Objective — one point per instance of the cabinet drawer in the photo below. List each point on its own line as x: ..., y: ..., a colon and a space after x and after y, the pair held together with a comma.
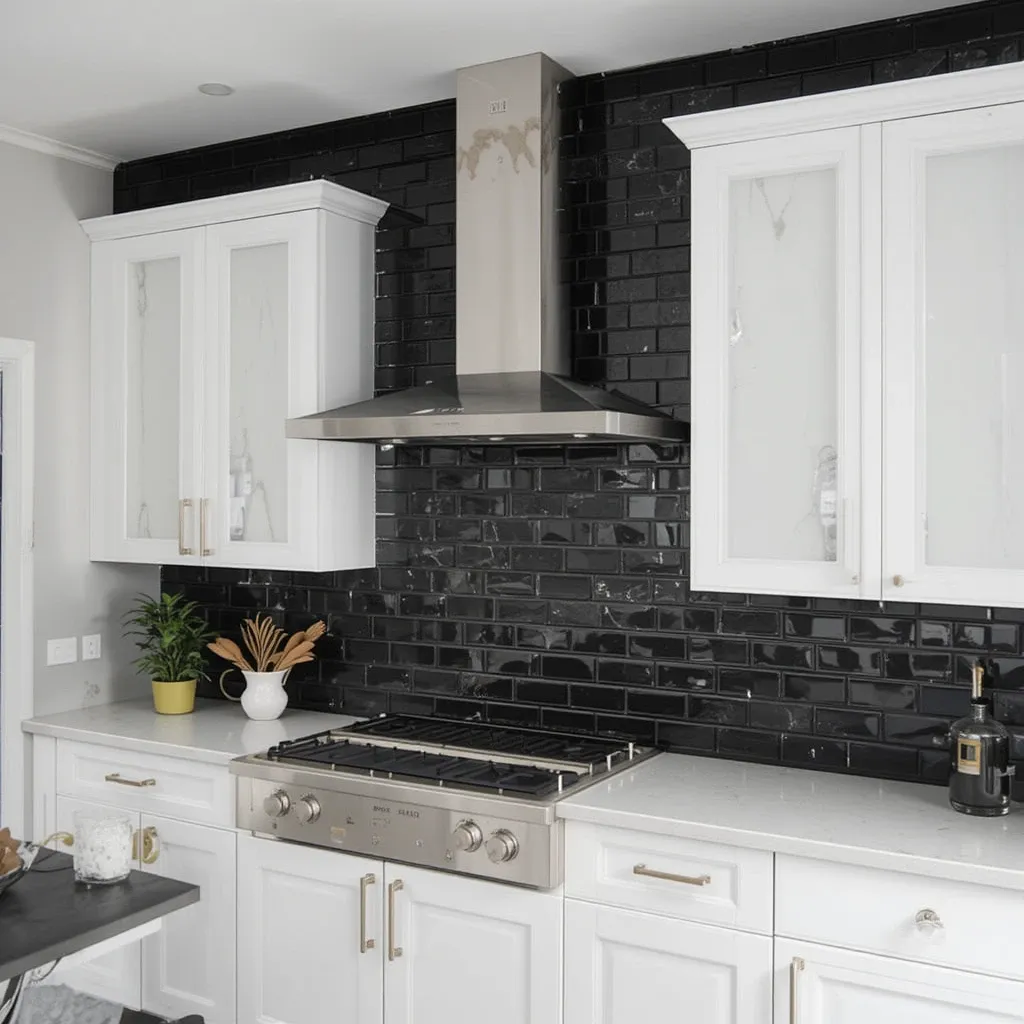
x: 973, y: 927
x: 681, y: 878
x: 172, y: 786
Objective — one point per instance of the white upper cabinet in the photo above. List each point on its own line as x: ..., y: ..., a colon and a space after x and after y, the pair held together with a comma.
x: 213, y: 323
x: 954, y: 357
x: 857, y: 348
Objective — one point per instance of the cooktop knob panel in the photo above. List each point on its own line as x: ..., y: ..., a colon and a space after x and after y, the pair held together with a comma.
x: 467, y: 836
x: 277, y: 804
x: 307, y: 810
x: 501, y: 846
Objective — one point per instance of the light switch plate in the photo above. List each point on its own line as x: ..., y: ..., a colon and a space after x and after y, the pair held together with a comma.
x: 62, y: 651
x: 91, y: 647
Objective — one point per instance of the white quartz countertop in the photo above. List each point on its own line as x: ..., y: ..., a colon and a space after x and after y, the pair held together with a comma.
x: 899, y: 826
x: 216, y: 731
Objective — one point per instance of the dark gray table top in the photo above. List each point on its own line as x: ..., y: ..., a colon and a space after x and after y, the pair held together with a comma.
x: 46, y: 916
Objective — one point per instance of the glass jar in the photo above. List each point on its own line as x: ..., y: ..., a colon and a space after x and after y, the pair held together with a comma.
x: 103, y: 847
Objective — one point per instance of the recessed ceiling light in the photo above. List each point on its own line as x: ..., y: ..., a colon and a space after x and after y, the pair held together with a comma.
x: 216, y: 89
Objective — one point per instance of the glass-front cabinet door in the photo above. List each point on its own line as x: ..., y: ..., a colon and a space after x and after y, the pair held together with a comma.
x: 777, y: 347
x: 260, y: 495
x: 954, y: 357
x: 147, y: 395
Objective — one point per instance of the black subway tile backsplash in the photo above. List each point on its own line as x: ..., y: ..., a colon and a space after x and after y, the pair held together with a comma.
x: 547, y: 585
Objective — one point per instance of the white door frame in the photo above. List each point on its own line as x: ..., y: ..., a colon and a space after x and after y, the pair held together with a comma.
x: 17, y: 440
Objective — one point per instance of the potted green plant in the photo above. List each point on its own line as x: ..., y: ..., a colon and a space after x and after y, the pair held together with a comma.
x: 172, y: 637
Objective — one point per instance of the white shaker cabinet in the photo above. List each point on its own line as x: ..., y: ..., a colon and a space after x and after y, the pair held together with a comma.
x: 827, y: 985
x: 857, y: 348
x: 777, y: 443
x: 622, y: 967
x: 954, y: 357
x: 213, y: 323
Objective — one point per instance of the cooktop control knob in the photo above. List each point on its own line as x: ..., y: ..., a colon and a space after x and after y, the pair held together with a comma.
x: 277, y: 804
x: 467, y: 836
x: 307, y: 810
x: 501, y: 846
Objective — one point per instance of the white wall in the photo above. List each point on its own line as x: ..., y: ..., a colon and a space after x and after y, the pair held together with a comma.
x: 44, y: 297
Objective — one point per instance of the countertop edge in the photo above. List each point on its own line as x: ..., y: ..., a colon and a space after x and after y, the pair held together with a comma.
x: 144, y: 746
x: 908, y: 863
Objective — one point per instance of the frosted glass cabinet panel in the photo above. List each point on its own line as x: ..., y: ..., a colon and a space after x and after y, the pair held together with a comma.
x: 775, y: 365
x: 954, y: 273
x: 146, y: 395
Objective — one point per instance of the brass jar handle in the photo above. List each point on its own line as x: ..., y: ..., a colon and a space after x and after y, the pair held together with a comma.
x: 137, y: 783
x: 667, y: 876
x: 796, y: 966
x: 364, y: 883
x: 150, y: 845
x: 393, y: 951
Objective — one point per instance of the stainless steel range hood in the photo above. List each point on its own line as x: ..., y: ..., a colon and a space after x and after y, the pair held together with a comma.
x: 512, y: 335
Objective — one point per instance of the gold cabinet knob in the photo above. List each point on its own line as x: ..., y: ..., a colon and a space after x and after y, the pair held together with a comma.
x: 898, y: 580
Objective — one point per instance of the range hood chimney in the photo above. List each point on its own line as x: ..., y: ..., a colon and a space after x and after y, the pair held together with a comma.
x: 512, y: 333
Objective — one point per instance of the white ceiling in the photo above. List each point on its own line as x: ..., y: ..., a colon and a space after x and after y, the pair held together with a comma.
x: 119, y: 77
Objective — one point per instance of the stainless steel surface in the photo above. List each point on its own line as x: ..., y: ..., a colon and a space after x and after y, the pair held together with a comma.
x: 115, y: 777
x: 184, y: 503
x: 364, y: 883
x: 513, y: 339
x: 467, y: 836
x: 277, y: 804
x: 796, y: 966
x: 307, y: 810
x: 394, y: 950
x: 502, y: 846
x: 668, y: 876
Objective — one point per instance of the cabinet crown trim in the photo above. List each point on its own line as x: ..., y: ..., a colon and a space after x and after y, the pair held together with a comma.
x: 304, y: 195
x: 889, y: 101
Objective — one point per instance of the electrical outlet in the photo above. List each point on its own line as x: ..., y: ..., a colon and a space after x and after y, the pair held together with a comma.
x: 63, y: 651
x: 91, y: 647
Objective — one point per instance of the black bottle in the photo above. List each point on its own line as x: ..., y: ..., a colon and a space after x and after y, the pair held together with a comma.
x: 979, y: 781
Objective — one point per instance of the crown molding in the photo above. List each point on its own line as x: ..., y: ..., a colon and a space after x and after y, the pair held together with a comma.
x: 889, y: 101
x: 51, y: 147
x: 304, y: 195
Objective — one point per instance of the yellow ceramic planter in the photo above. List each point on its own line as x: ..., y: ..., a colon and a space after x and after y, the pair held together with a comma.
x: 174, y: 698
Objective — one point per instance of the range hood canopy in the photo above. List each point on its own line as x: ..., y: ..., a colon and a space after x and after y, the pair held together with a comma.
x: 512, y: 334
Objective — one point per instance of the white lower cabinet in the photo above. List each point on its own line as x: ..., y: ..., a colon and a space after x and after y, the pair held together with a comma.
x: 466, y: 949
x: 189, y: 965
x: 325, y: 936
x: 622, y: 967
x: 303, y: 956
x: 825, y: 985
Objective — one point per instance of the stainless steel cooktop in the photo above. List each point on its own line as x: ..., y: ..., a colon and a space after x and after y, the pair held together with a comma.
x: 462, y: 796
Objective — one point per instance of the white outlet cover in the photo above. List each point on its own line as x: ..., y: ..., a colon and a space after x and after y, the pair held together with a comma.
x: 91, y: 647
x: 63, y: 651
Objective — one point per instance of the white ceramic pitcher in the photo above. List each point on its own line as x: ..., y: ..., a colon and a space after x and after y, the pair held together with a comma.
x: 264, y: 696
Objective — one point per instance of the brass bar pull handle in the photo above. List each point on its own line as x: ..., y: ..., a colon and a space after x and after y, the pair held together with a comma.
x: 150, y: 845
x: 137, y: 783
x: 204, y: 511
x: 796, y: 966
x: 393, y: 951
x: 643, y: 869
x: 183, y: 504
x: 364, y: 883
x: 135, y: 845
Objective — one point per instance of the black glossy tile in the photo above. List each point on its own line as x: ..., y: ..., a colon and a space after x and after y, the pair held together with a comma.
x: 880, y: 630
x: 745, y: 682
x: 686, y: 738
x: 816, y: 627
x: 917, y: 731
x: 995, y: 637
x: 719, y: 650
x: 902, y: 665
x: 847, y: 724
x: 718, y: 710
x: 775, y: 716
x: 653, y: 645
x: 749, y: 745
x: 783, y: 655
x: 599, y: 698
x: 814, y: 689
x: 872, y: 694
x: 933, y: 633
x: 855, y: 660
x: 749, y: 621
x: 884, y: 760
x: 631, y: 673
x: 954, y: 701
x: 813, y: 753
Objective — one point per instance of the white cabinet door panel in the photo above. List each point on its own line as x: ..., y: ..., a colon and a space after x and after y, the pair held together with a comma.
x: 954, y: 359
x: 189, y: 965
x: 622, y: 967
x: 300, y: 956
x: 824, y: 985
x: 471, y: 950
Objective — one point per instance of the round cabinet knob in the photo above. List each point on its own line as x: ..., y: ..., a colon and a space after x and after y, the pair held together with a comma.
x: 467, y: 836
x: 307, y: 810
x: 501, y: 846
x: 928, y: 921
x: 898, y: 580
x: 276, y: 805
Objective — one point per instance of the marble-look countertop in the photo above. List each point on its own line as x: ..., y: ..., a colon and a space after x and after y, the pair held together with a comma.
x: 216, y: 731
x: 899, y: 826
